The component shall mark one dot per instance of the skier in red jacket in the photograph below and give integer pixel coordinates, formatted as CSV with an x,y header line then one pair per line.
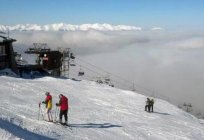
x,y
63,103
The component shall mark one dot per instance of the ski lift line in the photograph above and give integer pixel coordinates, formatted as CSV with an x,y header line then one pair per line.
x,y
137,88
91,78
142,90
104,70
87,75
107,72
89,69
123,84
114,75
114,81
145,90
120,83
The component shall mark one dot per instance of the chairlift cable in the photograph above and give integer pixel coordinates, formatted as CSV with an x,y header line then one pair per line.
x,y
115,75
104,70
120,83
89,69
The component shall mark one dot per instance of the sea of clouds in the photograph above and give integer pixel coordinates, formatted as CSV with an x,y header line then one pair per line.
x,y
161,63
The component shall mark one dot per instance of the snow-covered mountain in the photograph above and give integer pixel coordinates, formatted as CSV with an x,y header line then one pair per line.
x,y
68,27
97,112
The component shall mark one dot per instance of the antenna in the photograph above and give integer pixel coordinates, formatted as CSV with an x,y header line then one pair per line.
x,y
65,61
8,32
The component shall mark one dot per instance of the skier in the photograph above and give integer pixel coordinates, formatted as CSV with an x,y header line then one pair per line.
x,y
151,104
63,103
48,102
147,106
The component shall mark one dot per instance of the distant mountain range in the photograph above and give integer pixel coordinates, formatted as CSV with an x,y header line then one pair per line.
x,y
68,27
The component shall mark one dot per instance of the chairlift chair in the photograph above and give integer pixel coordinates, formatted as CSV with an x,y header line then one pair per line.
x,y
81,73
72,63
107,79
111,85
72,56
99,81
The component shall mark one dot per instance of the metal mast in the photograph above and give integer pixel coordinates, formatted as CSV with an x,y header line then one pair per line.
x,y
65,62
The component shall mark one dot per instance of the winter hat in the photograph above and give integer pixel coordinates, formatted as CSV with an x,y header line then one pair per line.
x,y
47,93
60,96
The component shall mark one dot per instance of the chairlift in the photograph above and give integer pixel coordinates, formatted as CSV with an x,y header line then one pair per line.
x,y
81,73
72,63
99,81
72,56
107,79
111,85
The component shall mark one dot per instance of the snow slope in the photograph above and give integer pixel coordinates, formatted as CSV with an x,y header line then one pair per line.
x,y
97,112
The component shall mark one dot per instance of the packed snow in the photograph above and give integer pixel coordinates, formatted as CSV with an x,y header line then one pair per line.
x,y
97,112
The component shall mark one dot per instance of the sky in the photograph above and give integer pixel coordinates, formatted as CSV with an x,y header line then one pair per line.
x,y
171,14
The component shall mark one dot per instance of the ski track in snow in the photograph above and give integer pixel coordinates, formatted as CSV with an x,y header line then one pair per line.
x,y
96,112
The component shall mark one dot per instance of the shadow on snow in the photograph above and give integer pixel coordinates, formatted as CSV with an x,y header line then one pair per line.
x,y
161,113
93,125
20,132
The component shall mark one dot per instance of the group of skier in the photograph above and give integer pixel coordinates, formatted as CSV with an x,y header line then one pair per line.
x,y
63,104
149,105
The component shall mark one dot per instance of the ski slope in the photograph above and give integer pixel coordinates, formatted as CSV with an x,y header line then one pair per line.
x,y
97,112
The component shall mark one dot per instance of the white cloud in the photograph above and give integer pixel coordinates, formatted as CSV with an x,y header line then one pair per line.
x,y
157,29
195,42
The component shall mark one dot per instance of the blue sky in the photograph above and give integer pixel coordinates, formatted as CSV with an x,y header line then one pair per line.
x,y
143,13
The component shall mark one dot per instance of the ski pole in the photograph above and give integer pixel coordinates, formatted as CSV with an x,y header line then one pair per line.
x,y
39,111
51,115
55,113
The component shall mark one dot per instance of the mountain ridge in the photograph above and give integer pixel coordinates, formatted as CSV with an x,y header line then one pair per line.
x,y
69,27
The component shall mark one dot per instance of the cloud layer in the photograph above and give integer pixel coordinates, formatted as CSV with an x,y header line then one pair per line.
x,y
161,63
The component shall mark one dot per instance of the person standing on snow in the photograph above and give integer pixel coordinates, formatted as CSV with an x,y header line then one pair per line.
x,y
151,104
147,106
63,103
48,102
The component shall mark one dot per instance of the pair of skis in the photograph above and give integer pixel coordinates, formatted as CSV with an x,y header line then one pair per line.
x,y
64,125
40,112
